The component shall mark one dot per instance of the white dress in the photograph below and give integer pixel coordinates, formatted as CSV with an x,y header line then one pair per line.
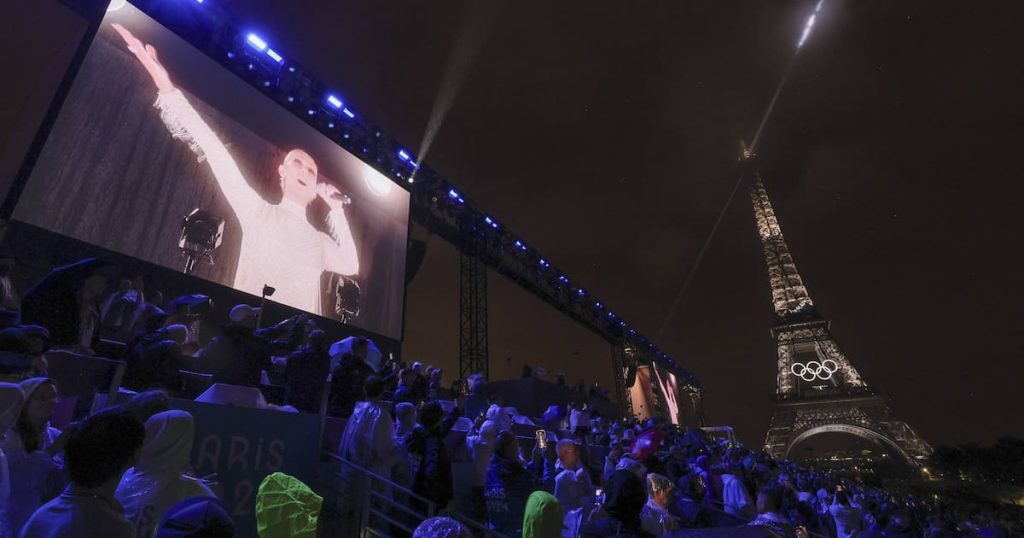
x,y
280,248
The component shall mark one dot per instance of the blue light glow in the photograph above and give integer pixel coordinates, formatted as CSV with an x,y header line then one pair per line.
x,y
544,263
599,305
454,195
255,41
334,101
580,292
519,244
403,155
274,56
348,112
564,279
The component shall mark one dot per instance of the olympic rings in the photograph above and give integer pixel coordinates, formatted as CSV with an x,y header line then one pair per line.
x,y
815,370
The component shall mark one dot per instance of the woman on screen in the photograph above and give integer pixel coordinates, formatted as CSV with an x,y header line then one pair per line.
x,y
279,246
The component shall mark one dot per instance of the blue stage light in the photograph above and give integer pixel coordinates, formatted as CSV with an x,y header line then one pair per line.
x,y
544,263
493,224
348,113
291,99
622,324
632,331
330,125
334,101
580,292
274,56
454,195
519,244
256,42
402,154
611,314
311,112
563,279
599,305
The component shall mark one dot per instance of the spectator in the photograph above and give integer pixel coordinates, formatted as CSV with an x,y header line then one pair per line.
x,y
197,517
901,525
846,515
502,421
11,400
655,516
122,310
405,422
441,527
769,513
247,355
572,483
480,442
476,402
38,345
368,440
509,484
624,502
690,502
405,392
146,404
286,508
433,476
160,479
158,366
32,448
99,450
543,516
348,379
66,302
735,498
306,372
420,385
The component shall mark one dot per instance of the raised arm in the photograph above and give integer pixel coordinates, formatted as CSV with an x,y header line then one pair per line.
x,y
340,254
184,123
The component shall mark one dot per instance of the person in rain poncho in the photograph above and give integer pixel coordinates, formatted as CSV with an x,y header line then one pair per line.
x,y
542,517
368,440
480,442
405,422
197,517
655,516
11,400
735,497
160,478
624,501
32,447
573,488
508,483
286,508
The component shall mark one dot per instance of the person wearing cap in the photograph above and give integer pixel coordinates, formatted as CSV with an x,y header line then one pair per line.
x,y
32,447
196,517
160,478
11,400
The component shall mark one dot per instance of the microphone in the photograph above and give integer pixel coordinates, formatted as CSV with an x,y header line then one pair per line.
x,y
321,191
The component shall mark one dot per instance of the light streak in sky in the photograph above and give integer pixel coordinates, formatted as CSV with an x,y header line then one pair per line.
x,y
809,25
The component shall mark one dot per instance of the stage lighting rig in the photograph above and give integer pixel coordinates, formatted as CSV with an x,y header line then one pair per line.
x,y
201,233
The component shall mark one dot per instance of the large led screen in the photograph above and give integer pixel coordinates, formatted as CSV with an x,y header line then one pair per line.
x,y
154,131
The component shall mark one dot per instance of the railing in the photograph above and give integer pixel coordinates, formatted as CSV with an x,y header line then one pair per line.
x,y
369,505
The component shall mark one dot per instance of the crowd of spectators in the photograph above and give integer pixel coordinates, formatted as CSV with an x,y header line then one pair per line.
x,y
125,470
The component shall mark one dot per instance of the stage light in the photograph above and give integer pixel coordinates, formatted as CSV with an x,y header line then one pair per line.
x,y
348,113
274,56
544,263
377,183
519,244
401,153
311,112
563,279
599,305
580,292
410,179
330,125
454,195
334,101
490,222
291,99
256,42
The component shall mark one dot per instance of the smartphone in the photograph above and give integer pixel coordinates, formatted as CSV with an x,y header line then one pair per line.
x,y
542,439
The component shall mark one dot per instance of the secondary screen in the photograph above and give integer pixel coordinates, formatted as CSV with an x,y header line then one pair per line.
x,y
159,151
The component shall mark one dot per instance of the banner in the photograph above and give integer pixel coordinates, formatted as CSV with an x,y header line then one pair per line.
x,y
241,446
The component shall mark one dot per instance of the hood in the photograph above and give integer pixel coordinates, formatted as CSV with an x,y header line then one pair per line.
x,y
286,508
11,400
196,516
543,516
168,443
31,384
625,498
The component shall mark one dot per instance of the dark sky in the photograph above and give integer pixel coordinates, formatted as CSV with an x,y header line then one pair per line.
x,y
605,133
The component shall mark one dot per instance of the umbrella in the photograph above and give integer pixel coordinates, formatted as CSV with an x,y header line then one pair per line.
x,y
343,346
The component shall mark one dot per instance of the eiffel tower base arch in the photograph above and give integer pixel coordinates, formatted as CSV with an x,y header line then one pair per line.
x,y
867,417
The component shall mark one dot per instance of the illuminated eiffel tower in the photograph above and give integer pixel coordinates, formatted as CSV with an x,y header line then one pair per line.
x,y
817,389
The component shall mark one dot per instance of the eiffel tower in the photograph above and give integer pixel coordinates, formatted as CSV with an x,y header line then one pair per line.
x,y
817,389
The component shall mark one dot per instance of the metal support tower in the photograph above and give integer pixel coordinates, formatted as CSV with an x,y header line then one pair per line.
x,y
472,316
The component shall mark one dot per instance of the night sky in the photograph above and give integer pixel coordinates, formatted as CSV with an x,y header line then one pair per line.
x,y
606,135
